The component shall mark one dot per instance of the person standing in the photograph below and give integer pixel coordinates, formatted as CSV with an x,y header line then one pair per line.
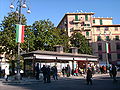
x,y
37,71
6,73
68,70
54,70
114,72
48,74
63,71
89,76
44,71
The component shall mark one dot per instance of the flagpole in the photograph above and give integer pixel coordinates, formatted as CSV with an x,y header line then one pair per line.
x,y
107,51
18,61
21,4
106,55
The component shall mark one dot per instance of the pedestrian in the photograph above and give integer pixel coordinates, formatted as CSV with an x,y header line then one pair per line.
x,y
0,72
63,71
89,76
6,73
76,72
110,71
54,72
48,74
44,71
68,70
37,71
114,72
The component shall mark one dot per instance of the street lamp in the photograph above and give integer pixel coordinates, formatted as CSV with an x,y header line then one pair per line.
x,y
106,47
20,4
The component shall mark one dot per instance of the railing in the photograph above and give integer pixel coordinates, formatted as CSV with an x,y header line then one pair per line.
x,y
88,37
87,28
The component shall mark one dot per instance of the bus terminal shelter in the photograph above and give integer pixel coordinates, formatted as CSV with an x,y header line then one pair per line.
x,y
60,59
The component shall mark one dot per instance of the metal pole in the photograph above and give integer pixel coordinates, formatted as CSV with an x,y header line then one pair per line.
x,y
18,62
106,58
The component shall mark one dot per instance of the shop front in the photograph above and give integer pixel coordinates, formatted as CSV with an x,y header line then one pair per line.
x,y
54,58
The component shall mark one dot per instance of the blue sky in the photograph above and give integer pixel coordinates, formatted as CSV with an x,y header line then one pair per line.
x,y
55,9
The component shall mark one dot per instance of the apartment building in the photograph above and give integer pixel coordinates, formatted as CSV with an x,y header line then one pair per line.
x,y
99,31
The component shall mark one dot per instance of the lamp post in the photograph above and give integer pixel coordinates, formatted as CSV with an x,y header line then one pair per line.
x,y
21,4
106,44
107,49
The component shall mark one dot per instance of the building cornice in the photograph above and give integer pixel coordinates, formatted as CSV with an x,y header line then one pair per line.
x,y
103,18
115,25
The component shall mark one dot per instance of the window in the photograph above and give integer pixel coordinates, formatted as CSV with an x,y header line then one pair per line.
x,y
86,24
116,37
106,28
87,33
117,46
99,47
98,38
107,38
100,57
118,55
93,21
101,23
76,17
116,28
86,17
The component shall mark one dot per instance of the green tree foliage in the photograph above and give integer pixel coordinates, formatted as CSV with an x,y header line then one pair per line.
x,y
46,35
29,38
8,34
79,41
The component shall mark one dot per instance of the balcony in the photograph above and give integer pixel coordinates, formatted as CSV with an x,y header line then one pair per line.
x,y
77,28
87,28
88,37
77,21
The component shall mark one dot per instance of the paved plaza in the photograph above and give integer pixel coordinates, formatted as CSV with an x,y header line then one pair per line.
x,y
100,82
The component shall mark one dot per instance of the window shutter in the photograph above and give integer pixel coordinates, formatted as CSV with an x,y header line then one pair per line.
x,y
87,33
86,17
101,22
93,21
76,17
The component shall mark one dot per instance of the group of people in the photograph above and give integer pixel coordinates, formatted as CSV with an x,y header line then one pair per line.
x,y
66,71
112,71
47,73
4,73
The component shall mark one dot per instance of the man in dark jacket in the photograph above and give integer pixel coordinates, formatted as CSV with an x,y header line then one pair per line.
x,y
114,72
37,71
48,74
89,76
44,71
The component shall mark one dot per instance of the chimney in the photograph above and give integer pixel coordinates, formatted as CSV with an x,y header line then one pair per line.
x,y
59,48
74,50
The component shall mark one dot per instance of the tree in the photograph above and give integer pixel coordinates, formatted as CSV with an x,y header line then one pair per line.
x,y
79,41
46,35
8,34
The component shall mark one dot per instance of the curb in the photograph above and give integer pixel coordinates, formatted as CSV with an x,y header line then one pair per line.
x,y
20,82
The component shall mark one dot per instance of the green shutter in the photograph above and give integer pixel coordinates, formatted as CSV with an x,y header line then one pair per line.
x,y
107,38
101,22
99,38
87,33
93,21
116,37
76,17
86,17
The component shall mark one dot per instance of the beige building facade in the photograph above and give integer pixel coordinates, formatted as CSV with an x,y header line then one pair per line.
x,y
99,31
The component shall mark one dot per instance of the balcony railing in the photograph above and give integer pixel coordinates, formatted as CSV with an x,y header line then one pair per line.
x,y
87,28
77,28
88,37
77,21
